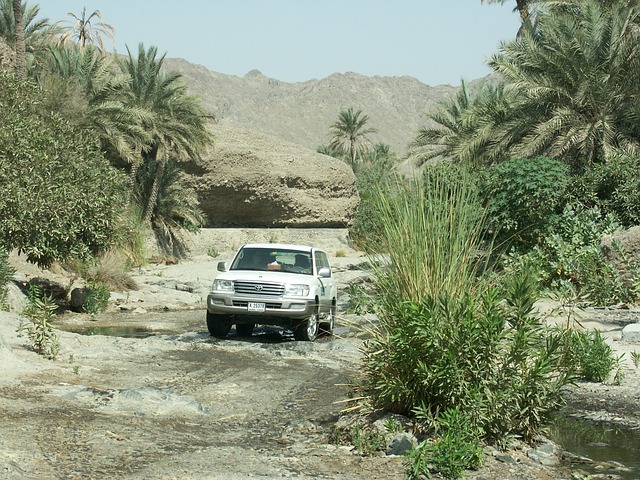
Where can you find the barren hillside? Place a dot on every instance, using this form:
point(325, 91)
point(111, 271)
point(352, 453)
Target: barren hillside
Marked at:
point(303, 112)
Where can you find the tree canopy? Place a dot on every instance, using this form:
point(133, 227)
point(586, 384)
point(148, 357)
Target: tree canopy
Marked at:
point(59, 197)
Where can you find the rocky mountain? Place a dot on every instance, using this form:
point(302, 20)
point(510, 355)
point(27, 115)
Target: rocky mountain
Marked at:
point(303, 112)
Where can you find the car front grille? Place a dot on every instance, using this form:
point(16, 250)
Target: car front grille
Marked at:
point(259, 288)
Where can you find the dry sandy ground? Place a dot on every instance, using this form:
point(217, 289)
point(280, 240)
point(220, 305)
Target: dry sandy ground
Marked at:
point(182, 405)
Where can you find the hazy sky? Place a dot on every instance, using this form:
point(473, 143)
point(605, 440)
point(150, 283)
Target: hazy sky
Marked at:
point(436, 41)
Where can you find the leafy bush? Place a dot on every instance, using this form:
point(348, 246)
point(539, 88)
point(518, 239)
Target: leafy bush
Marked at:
point(39, 312)
point(456, 448)
point(614, 187)
point(522, 196)
point(570, 256)
point(6, 274)
point(586, 354)
point(59, 198)
point(98, 299)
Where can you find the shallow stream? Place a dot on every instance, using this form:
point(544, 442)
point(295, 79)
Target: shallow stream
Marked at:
point(597, 449)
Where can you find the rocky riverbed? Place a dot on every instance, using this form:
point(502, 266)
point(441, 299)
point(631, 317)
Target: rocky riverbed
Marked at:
point(167, 401)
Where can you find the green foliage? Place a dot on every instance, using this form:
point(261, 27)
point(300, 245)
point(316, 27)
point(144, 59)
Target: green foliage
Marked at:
point(569, 256)
point(59, 198)
point(98, 299)
point(40, 332)
point(349, 136)
point(430, 231)
point(635, 358)
point(614, 187)
point(522, 196)
point(571, 84)
point(6, 275)
point(484, 354)
point(456, 447)
point(366, 440)
point(360, 302)
point(176, 207)
point(586, 353)
point(462, 131)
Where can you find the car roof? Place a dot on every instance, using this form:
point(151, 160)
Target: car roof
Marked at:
point(281, 246)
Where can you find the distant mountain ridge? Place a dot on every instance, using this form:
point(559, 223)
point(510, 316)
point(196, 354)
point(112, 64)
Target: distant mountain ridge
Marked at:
point(303, 112)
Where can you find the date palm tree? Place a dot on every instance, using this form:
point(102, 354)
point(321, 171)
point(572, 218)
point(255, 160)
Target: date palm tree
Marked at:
point(103, 90)
point(526, 10)
point(574, 84)
point(349, 135)
point(21, 58)
point(463, 127)
point(30, 38)
point(174, 120)
point(87, 30)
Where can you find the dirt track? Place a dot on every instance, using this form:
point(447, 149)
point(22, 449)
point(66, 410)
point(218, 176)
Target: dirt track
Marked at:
point(183, 406)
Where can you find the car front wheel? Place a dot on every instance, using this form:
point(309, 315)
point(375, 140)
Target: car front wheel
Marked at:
point(219, 325)
point(326, 327)
point(307, 330)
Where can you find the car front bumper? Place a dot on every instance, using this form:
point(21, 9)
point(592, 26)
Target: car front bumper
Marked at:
point(281, 307)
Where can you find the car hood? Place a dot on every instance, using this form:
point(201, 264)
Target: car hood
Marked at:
point(272, 276)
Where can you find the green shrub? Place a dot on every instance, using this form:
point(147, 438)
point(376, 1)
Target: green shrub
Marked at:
point(570, 256)
point(456, 447)
point(430, 232)
point(6, 275)
point(586, 354)
point(98, 299)
point(614, 187)
point(40, 332)
point(522, 196)
point(59, 197)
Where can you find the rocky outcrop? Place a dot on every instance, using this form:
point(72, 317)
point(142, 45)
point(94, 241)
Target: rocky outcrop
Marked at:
point(254, 180)
point(627, 257)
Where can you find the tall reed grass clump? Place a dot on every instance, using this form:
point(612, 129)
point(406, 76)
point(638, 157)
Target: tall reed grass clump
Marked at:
point(450, 346)
point(432, 230)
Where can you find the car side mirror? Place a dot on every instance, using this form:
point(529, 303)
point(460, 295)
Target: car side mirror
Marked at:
point(222, 266)
point(325, 272)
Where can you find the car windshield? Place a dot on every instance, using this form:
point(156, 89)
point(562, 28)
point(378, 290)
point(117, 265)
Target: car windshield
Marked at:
point(265, 259)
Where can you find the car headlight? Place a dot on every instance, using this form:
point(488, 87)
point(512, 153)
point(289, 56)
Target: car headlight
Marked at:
point(223, 285)
point(297, 290)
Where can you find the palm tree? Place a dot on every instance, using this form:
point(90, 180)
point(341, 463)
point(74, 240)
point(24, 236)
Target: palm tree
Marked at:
point(177, 207)
point(27, 40)
point(349, 135)
point(574, 84)
point(174, 120)
point(103, 91)
point(464, 127)
point(82, 30)
point(21, 58)
point(526, 10)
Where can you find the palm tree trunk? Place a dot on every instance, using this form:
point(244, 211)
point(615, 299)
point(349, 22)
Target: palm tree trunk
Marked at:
point(21, 57)
point(153, 195)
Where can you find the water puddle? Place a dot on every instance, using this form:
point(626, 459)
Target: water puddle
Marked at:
point(598, 449)
point(116, 331)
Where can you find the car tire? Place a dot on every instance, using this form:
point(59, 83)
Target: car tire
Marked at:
point(326, 327)
point(308, 329)
point(219, 325)
point(244, 329)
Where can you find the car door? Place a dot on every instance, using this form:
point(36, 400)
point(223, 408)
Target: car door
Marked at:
point(328, 287)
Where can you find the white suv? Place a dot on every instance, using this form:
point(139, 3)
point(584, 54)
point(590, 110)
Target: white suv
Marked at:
point(273, 284)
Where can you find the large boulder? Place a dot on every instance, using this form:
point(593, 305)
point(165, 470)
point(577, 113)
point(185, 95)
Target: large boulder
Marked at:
point(249, 179)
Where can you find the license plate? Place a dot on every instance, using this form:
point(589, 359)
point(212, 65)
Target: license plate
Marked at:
point(255, 307)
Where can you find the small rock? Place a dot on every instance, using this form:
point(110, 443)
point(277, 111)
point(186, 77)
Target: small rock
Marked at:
point(401, 444)
point(631, 333)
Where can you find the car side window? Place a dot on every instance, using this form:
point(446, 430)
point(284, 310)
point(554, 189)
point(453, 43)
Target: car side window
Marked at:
point(322, 261)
